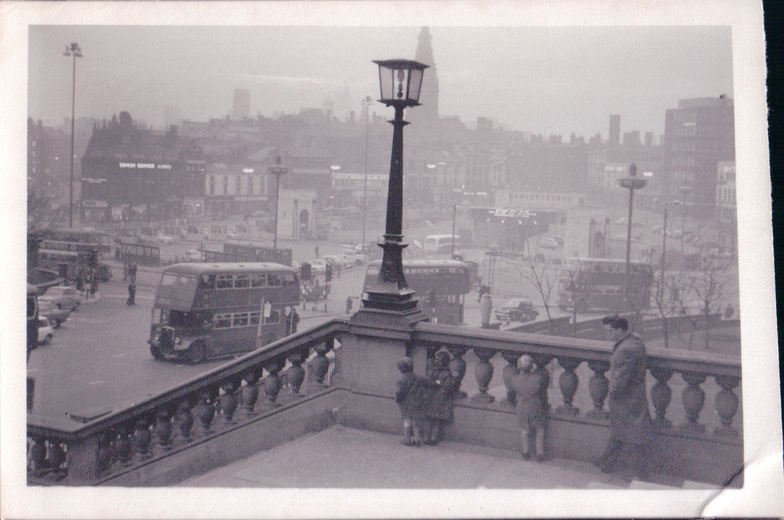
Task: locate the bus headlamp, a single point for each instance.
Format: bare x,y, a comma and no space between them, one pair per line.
177,341
156,338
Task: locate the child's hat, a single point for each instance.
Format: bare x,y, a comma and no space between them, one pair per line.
405,364
443,356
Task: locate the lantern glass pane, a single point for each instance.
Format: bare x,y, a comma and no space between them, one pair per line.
387,82
415,84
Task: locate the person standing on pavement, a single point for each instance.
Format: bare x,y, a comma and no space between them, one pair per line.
529,387
132,293
630,428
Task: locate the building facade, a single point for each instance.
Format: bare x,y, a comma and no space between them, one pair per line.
698,134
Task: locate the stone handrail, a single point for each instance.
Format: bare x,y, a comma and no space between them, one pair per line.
694,367
76,453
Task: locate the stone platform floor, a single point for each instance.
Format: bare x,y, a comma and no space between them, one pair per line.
341,457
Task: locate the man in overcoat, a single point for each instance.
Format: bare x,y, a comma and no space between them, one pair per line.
630,422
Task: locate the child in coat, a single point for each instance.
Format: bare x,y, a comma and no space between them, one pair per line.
410,397
530,387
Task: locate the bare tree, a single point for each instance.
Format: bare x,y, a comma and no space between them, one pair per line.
38,206
581,283
541,277
708,283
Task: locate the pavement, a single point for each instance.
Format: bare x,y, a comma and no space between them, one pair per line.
341,457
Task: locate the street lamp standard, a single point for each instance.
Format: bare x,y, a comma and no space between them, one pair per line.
631,183
401,81
75,51
277,170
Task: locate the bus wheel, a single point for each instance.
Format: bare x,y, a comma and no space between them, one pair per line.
156,353
197,353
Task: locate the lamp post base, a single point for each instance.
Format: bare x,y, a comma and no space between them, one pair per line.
389,295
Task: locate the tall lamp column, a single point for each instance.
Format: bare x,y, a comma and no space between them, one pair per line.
75,51
631,183
277,170
401,81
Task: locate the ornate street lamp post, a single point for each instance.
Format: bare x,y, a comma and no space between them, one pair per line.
631,183
75,51
277,170
401,81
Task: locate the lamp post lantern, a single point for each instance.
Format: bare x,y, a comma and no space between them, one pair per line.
75,51
631,183
401,81
277,170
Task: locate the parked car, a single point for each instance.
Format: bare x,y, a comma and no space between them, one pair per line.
62,297
192,255
318,266
55,315
45,330
517,309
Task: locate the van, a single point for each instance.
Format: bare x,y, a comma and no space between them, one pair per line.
440,244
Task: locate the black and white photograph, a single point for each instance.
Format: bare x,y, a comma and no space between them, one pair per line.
394,259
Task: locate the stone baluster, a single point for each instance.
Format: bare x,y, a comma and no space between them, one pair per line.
598,388
295,375
142,439
319,365
228,401
250,392
484,374
272,383
726,405
509,372
568,382
693,401
457,365
38,456
123,445
56,458
163,428
185,420
205,411
661,395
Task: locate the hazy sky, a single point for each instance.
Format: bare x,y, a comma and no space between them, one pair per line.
543,80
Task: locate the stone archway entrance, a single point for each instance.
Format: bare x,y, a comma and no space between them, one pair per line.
304,223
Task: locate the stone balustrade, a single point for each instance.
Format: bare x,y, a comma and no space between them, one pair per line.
694,398
570,353
220,400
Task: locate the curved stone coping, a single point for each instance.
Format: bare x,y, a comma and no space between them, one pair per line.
71,431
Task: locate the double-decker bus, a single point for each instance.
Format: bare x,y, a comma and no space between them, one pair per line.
600,284
440,286
93,237
255,252
205,310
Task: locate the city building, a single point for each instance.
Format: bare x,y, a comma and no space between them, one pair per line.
131,173
615,130
296,213
428,96
534,200
241,107
727,211
698,134
235,188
